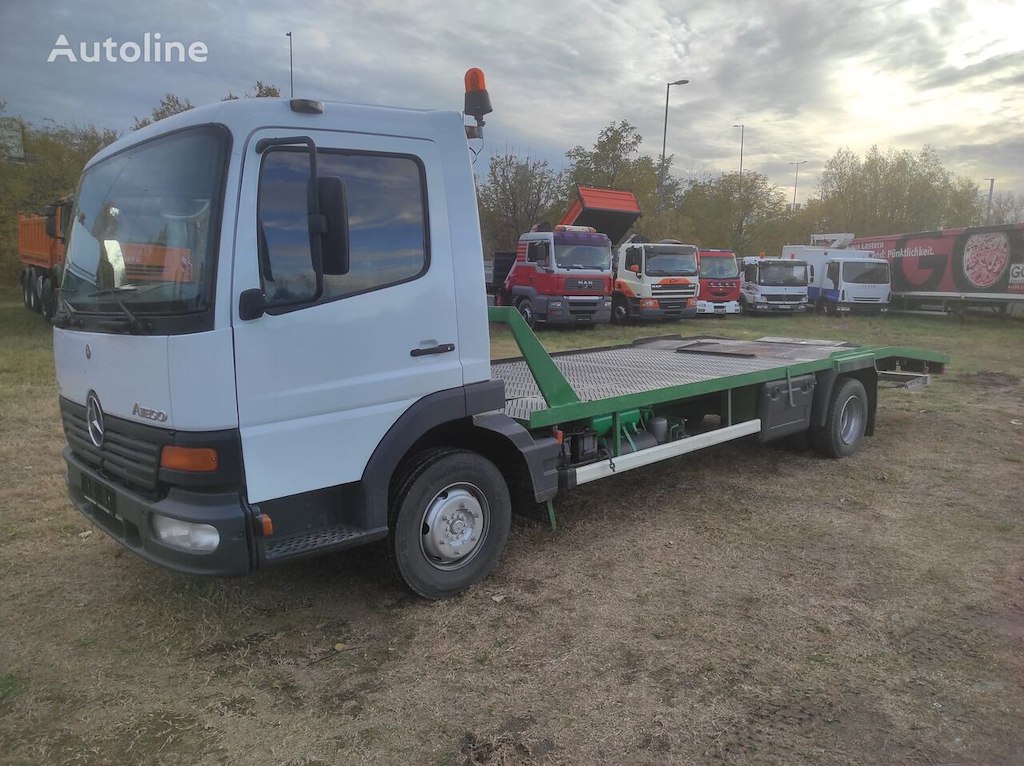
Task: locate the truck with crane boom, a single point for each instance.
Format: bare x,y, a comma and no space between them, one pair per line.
321,376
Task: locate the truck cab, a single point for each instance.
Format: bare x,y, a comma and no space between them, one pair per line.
773,285
655,280
560,276
719,282
843,281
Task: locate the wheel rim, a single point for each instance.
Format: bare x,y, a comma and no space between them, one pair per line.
526,311
619,312
851,420
454,526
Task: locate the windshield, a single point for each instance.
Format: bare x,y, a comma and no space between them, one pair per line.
588,257
783,274
143,228
719,266
875,273
671,262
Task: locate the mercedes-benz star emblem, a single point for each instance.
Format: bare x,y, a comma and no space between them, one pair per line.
94,418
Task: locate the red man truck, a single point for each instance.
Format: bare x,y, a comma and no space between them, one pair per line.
563,274
954,269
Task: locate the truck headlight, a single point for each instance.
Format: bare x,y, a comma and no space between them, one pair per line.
185,535
608,303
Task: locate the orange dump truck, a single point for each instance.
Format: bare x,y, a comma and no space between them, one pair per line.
41,251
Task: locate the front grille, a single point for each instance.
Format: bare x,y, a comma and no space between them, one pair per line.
596,285
674,291
783,298
130,452
671,305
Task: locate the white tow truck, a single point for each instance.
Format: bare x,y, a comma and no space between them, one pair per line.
314,373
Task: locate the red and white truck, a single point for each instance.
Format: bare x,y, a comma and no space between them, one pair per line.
953,269
719,282
560,275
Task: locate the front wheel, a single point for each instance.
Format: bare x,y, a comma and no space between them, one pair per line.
450,516
846,422
620,311
527,313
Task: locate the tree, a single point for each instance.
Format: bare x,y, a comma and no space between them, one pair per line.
893,192
260,90
1007,207
54,158
615,162
730,211
170,104
517,194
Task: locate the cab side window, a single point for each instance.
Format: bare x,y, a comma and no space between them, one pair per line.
832,273
537,252
387,218
632,257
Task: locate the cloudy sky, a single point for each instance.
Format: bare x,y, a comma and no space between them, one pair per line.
805,78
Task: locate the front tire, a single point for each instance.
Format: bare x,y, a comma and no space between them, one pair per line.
526,311
620,312
846,422
450,516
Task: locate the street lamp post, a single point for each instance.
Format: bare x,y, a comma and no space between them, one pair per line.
988,212
741,150
664,137
796,178
291,71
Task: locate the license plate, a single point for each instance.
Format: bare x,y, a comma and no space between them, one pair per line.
99,494
720,310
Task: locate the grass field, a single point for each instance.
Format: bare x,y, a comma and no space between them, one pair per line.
743,605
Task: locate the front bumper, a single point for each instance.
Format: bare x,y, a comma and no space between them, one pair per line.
862,308
567,311
126,517
777,308
719,307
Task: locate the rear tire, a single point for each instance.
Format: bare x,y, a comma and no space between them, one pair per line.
450,515
846,422
26,289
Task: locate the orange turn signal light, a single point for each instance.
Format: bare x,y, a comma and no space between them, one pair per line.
195,459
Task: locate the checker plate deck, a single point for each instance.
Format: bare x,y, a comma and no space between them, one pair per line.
654,364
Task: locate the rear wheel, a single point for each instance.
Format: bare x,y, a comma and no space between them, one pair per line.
526,311
450,516
26,289
847,420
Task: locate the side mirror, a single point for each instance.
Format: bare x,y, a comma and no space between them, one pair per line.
334,209
50,214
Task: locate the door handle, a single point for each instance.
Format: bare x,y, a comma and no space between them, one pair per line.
444,348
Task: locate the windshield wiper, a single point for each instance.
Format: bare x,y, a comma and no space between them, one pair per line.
135,325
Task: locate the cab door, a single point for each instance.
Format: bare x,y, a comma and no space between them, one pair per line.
320,383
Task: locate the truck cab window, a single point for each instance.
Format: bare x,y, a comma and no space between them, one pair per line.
387,222
632,257
538,253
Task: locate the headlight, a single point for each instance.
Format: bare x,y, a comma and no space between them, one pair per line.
608,303
185,535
